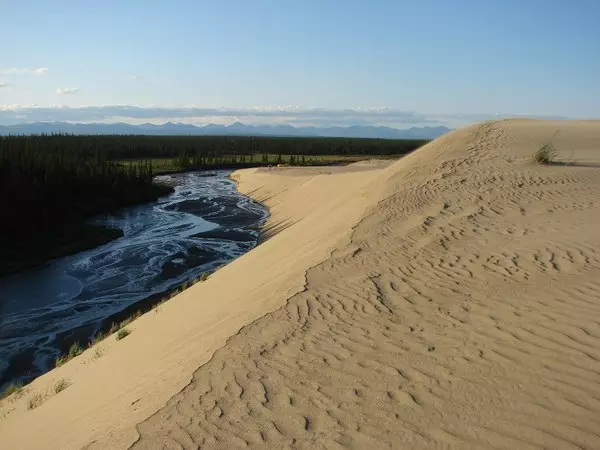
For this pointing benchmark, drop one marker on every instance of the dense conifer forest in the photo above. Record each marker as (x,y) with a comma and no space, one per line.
(51,183)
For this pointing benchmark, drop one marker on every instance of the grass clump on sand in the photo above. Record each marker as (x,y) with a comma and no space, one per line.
(116,326)
(61,385)
(546,154)
(35,401)
(97,338)
(122,333)
(74,351)
(204,276)
(14,388)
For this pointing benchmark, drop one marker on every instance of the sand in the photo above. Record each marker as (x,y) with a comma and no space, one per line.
(448,300)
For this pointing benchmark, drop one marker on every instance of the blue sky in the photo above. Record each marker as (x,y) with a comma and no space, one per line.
(396,63)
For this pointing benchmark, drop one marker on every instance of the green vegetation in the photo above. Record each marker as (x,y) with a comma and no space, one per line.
(50,188)
(61,385)
(177,164)
(115,327)
(97,338)
(122,333)
(14,388)
(204,276)
(212,149)
(52,183)
(74,351)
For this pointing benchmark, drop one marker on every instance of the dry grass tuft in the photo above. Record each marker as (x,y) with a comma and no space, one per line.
(61,385)
(35,400)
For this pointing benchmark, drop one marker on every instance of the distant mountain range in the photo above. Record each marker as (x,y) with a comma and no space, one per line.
(237,128)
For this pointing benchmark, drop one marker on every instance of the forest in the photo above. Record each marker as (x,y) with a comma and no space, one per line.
(115,147)
(50,184)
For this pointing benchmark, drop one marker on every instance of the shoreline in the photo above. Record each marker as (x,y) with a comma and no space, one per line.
(185,332)
(266,223)
(18,368)
(234,167)
(88,235)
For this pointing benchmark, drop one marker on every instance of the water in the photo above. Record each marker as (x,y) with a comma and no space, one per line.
(205,223)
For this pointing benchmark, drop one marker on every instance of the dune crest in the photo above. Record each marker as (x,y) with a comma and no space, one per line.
(449,299)
(463,313)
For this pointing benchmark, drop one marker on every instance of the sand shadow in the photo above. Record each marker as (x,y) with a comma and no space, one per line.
(274,229)
(573,164)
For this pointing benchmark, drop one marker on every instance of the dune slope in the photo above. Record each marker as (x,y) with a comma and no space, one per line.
(463,312)
(117,384)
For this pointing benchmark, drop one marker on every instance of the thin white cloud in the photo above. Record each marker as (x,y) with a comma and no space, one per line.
(23,71)
(292,115)
(66,91)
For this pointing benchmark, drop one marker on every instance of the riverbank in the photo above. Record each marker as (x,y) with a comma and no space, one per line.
(168,166)
(24,253)
(166,245)
(18,253)
(190,327)
(447,299)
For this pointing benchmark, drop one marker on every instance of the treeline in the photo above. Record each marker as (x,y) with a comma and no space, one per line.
(51,183)
(140,146)
(47,188)
(47,193)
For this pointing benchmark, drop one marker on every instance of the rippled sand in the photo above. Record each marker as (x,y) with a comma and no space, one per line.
(448,300)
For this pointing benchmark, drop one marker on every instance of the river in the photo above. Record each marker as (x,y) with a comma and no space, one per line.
(205,223)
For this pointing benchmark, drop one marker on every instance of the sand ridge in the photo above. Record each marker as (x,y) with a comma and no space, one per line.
(448,300)
(463,313)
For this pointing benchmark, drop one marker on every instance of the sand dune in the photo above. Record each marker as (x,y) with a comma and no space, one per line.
(448,300)
(134,377)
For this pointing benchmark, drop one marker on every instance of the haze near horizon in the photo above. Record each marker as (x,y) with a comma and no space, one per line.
(315,63)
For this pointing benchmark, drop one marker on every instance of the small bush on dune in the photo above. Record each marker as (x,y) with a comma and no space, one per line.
(114,328)
(123,332)
(545,154)
(61,360)
(74,351)
(97,338)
